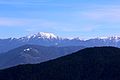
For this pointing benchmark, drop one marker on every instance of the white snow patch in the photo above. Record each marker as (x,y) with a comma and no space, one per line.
(27,49)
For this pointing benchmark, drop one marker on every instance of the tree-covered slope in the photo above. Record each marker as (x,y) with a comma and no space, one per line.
(32,54)
(100,63)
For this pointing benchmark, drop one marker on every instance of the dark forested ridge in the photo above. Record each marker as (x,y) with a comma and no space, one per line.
(99,63)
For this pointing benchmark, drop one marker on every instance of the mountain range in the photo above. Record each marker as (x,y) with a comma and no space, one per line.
(31,54)
(49,39)
(98,63)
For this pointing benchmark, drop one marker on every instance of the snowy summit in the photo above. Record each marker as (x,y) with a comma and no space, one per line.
(43,35)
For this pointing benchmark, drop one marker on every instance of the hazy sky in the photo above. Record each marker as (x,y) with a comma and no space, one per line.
(66,18)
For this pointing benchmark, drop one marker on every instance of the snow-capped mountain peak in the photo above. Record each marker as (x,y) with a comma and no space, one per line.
(40,35)
(44,35)
(47,35)
(114,37)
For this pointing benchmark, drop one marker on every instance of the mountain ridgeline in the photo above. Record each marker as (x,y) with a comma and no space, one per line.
(98,63)
(49,39)
(31,54)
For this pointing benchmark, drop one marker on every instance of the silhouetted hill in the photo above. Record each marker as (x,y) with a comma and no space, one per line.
(31,54)
(100,63)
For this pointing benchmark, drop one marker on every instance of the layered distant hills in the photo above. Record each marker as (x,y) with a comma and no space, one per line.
(42,47)
(49,39)
(99,63)
(31,54)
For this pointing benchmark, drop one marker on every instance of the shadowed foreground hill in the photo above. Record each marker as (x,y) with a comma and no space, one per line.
(101,63)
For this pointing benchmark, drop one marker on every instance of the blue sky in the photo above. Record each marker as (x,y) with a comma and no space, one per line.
(65,18)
